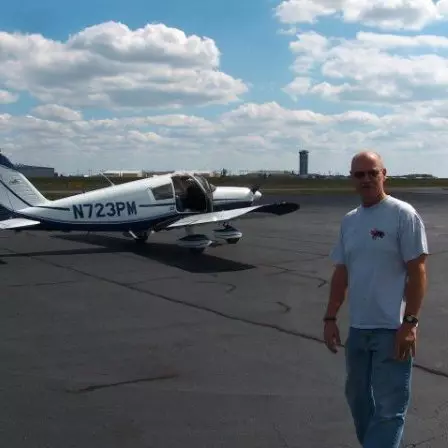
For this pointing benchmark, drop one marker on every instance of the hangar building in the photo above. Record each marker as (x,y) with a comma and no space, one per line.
(36,171)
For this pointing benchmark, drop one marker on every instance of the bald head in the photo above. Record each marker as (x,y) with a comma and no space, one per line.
(367,158)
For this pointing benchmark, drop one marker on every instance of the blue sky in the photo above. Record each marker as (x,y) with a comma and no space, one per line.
(251,111)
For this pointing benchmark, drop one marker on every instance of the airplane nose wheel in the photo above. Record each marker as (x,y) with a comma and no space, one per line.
(141,241)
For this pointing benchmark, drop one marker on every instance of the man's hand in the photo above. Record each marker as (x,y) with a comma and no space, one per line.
(331,335)
(405,342)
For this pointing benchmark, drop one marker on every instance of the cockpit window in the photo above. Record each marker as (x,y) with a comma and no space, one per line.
(163,192)
(205,183)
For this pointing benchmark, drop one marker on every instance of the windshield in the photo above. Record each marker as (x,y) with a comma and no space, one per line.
(205,183)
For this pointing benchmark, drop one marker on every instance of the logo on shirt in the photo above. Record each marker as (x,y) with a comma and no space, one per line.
(375,234)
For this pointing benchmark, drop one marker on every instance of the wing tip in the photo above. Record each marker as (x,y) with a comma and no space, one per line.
(17,223)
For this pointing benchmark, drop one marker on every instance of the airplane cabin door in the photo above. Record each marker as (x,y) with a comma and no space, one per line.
(206,189)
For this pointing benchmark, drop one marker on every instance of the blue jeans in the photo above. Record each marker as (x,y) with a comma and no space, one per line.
(378,387)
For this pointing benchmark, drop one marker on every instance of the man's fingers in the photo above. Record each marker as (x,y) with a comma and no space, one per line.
(331,344)
(332,338)
(406,351)
(338,339)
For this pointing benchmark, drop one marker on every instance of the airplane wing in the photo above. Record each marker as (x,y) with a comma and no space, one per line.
(278,209)
(17,223)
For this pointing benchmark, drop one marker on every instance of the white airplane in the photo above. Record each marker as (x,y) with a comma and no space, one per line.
(135,208)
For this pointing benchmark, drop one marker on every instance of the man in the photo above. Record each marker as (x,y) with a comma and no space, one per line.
(380,267)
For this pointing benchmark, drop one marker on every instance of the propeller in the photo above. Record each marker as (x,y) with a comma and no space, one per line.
(256,193)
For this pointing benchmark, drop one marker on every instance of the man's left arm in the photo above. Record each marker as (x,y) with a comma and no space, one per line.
(416,285)
(414,249)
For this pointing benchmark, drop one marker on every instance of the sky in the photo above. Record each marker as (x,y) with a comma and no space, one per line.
(97,85)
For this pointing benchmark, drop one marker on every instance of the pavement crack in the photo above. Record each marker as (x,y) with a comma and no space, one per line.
(284,270)
(281,437)
(230,286)
(432,371)
(63,282)
(283,249)
(95,387)
(430,439)
(297,239)
(285,306)
(155,279)
(236,318)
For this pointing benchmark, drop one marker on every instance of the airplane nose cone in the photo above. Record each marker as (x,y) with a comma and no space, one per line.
(257,195)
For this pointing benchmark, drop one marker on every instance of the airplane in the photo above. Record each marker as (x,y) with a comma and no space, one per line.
(136,208)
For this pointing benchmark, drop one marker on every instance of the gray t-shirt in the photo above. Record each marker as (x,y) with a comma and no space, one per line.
(375,243)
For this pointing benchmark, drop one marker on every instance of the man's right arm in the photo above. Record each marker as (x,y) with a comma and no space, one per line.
(338,290)
(339,279)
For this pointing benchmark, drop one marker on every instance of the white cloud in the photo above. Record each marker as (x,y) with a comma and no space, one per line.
(393,41)
(7,97)
(383,14)
(56,112)
(251,136)
(367,70)
(108,65)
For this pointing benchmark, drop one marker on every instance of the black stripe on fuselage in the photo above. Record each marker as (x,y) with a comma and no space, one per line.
(156,205)
(49,207)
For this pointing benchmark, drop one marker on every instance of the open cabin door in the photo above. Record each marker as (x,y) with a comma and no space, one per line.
(193,194)
(207,191)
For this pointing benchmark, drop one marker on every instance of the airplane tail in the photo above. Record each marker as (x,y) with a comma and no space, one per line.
(16,191)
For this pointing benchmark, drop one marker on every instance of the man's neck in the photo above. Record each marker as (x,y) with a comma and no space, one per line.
(374,201)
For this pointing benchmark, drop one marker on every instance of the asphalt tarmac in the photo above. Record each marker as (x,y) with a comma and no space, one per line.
(104,345)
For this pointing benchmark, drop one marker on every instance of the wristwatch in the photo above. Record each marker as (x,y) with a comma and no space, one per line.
(410,319)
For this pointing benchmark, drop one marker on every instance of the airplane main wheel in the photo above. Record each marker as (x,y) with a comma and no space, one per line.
(196,243)
(229,234)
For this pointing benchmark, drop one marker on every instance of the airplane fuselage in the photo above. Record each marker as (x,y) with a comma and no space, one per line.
(137,205)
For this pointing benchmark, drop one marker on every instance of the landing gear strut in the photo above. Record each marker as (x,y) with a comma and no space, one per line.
(139,237)
(228,233)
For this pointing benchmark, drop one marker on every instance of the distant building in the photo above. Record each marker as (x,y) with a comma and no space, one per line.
(36,171)
(303,168)
(124,173)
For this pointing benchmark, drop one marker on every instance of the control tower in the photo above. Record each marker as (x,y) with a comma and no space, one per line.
(303,163)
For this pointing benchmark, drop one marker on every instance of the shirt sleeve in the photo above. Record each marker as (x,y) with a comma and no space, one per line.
(413,239)
(337,254)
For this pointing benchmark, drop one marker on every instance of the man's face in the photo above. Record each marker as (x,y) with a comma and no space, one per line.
(368,176)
